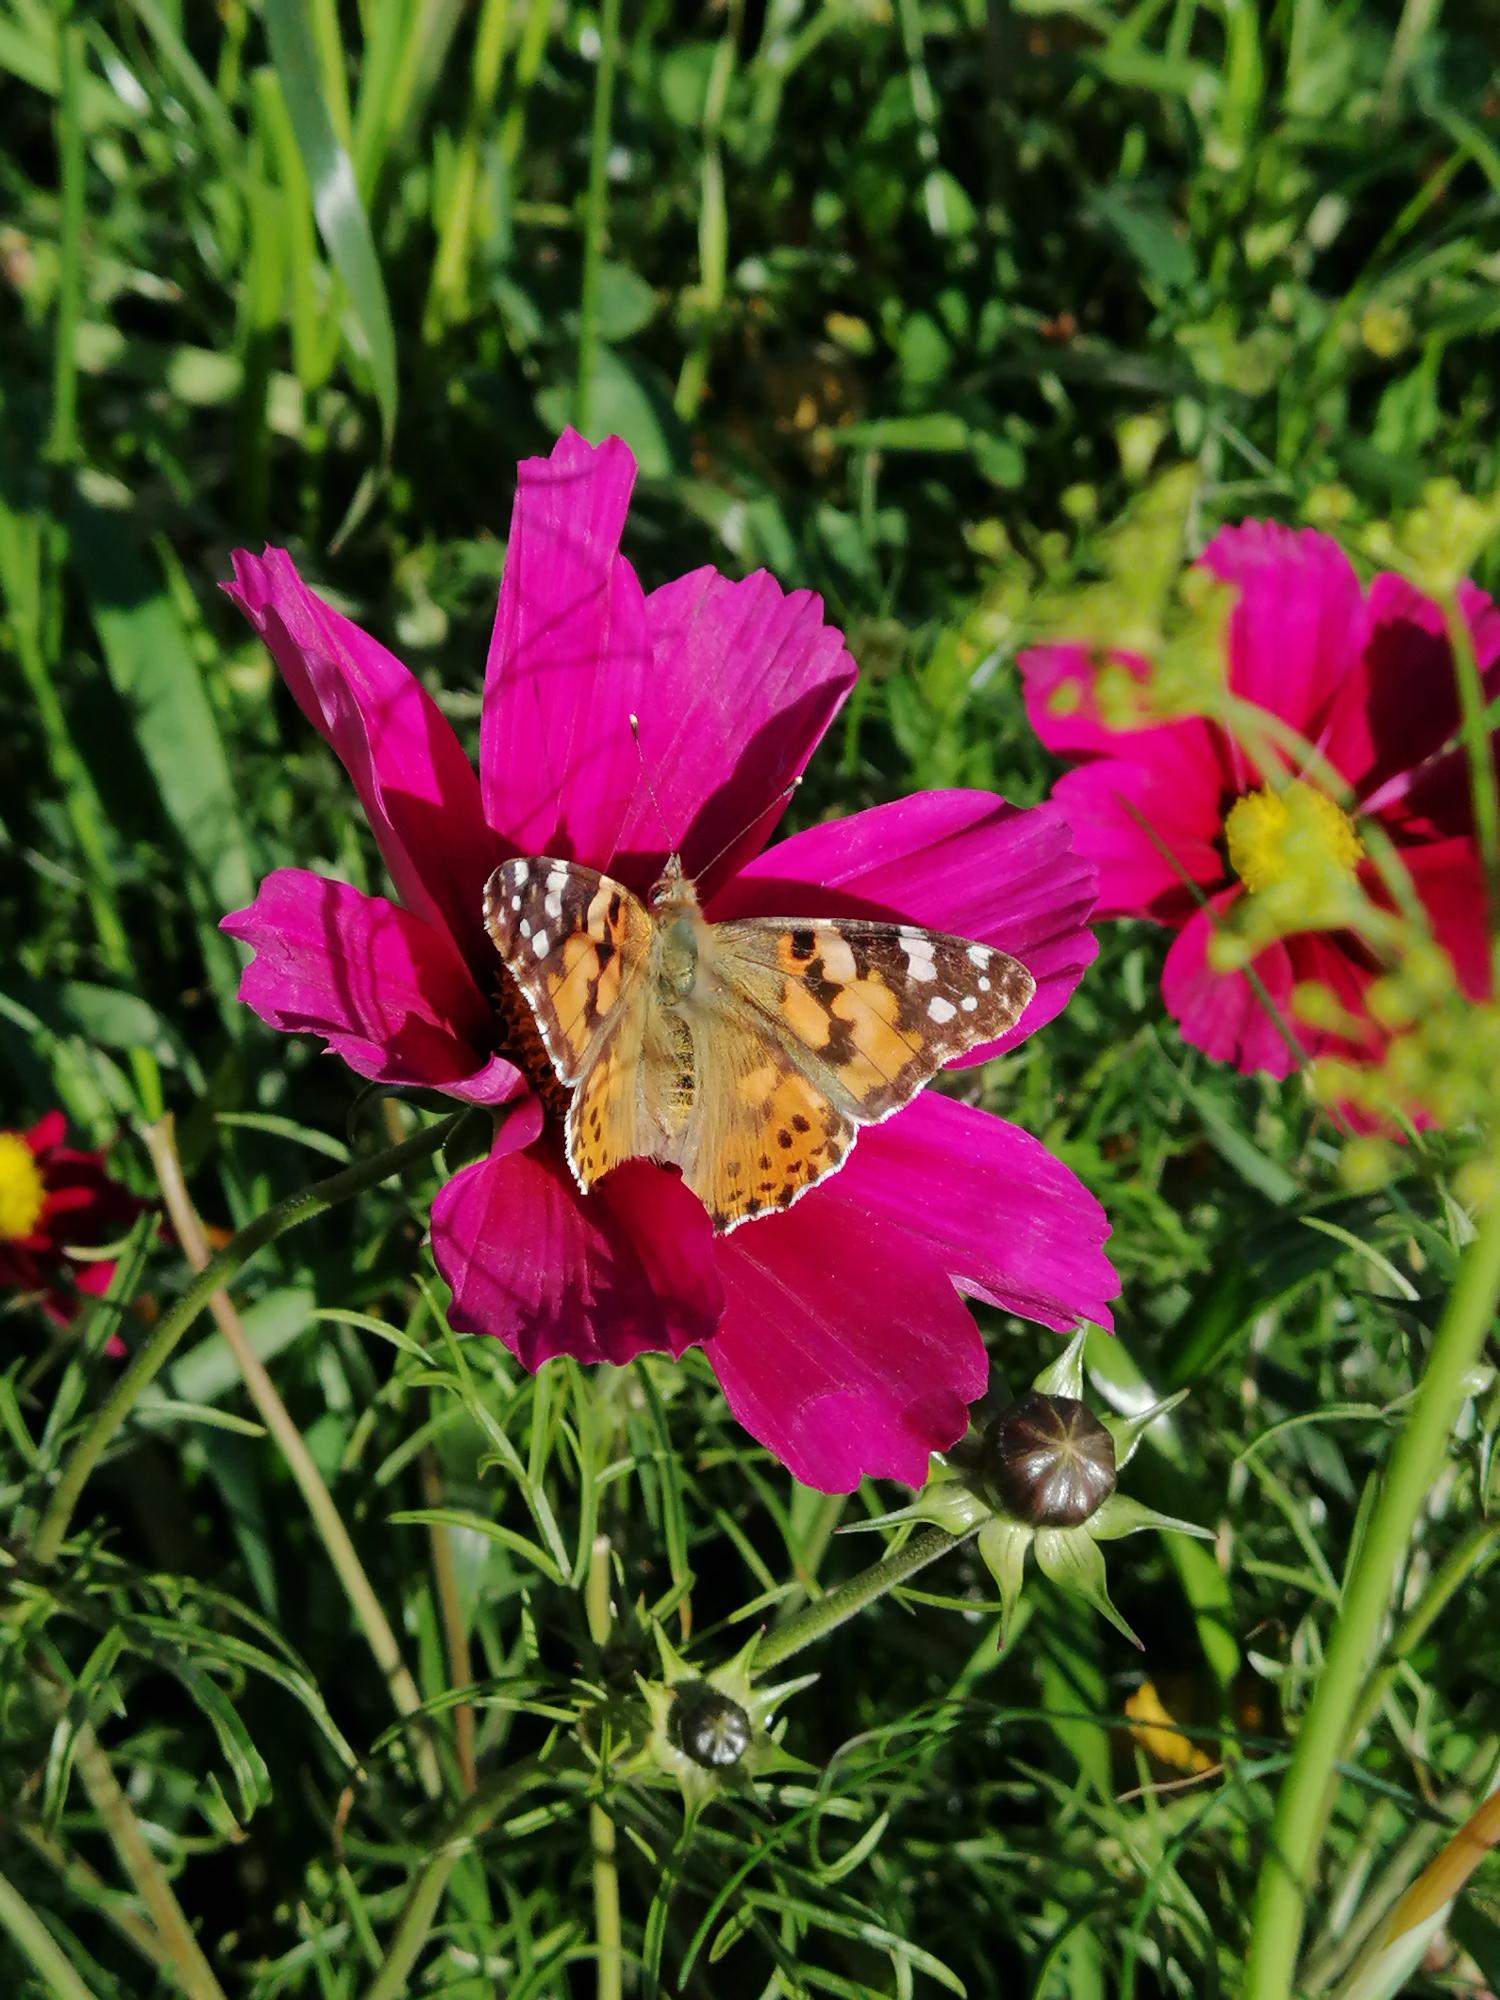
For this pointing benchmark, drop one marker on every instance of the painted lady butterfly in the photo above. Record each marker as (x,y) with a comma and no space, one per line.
(747,1053)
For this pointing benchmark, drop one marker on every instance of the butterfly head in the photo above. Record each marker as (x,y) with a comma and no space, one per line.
(673,901)
(671,894)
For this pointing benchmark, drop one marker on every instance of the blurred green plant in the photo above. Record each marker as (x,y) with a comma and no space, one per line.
(906,303)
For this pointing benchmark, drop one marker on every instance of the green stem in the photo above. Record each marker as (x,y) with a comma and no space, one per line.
(608,1939)
(369,1613)
(1307,1794)
(35,1942)
(713,227)
(609,1948)
(447,298)
(153,1357)
(90,1887)
(425,1896)
(38,598)
(1450,1576)
(62,445)
(842,1603)
(596,215)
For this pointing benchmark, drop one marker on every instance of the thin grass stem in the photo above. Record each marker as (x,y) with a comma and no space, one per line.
(148,1363)
(194,1973)
(369,1613)
(35,1942)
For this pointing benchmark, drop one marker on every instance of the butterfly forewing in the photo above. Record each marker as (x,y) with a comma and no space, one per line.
(576,943)
(878,1007)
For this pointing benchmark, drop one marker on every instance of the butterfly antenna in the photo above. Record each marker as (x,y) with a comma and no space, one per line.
(780,800)
(661,818)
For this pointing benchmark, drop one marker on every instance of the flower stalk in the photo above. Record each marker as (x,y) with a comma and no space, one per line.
(1306,1801)
(844,1602)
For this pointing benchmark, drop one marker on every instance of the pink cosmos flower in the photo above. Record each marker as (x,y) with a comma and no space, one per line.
(835,1328)
(55,1201)
(1180,819)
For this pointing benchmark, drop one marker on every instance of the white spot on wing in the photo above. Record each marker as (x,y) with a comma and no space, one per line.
(919,955)
(969,1003)
(516,902)
(540,945)
(984,986)
(526,927)
(838,958)
(980,954)
(940,1010)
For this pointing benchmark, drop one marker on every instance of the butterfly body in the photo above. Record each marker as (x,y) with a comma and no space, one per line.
(746,1053)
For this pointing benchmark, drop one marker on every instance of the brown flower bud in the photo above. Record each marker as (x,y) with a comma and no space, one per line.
(708,1726)
(1049,1461)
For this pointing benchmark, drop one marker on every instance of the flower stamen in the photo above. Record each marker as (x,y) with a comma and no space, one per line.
(1295,835)
(23,1194)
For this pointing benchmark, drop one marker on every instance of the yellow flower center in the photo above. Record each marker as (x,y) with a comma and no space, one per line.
(1296,835)
(22,1194)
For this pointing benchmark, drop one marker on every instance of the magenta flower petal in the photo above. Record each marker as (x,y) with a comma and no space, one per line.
(619,1272)
(388,992)
(1298,625)
(1448,876)
(1225,1015)
(49,1130)
(416,785)
(568,660)
(1403,703)
(1006,1220)
(845,1354)
(1060,686)
(745,680)
(1221,1012)
(962,862)
(1146,826)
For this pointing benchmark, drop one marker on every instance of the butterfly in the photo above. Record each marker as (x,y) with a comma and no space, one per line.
(747,1053)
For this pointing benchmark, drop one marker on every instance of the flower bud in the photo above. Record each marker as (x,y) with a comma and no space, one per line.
(714,1732)
(709,1726)
(1049,1461)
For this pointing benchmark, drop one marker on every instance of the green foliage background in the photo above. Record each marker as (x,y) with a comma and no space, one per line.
(898,302)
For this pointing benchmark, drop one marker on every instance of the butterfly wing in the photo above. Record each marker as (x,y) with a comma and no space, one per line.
(881,1006)
(578,944)
(809,1029)
(762,1129)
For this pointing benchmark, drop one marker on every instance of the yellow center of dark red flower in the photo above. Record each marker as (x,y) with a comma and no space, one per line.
(23,1195)
(1296,834)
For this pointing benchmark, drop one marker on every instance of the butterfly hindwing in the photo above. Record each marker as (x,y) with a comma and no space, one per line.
(762,1130)
(878,1007)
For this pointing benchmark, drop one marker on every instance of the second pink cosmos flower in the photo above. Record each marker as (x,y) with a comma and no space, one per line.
(1367,679)
(836,1329)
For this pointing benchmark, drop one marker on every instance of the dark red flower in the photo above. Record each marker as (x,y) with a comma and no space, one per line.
(56,1201)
